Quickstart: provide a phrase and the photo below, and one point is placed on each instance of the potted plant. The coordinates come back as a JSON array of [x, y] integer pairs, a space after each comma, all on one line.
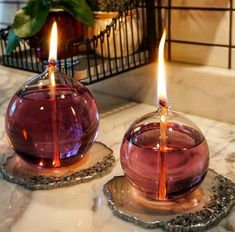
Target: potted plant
[[123, 39], [34, 21]]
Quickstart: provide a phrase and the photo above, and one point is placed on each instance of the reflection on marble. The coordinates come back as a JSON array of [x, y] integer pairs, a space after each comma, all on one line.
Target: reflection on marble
[[84, 207]]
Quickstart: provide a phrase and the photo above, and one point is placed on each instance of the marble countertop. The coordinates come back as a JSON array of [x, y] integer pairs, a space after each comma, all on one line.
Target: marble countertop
[[83, 207]]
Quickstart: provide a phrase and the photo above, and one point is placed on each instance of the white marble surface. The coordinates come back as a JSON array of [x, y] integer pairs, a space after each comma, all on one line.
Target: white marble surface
[[83, 207]]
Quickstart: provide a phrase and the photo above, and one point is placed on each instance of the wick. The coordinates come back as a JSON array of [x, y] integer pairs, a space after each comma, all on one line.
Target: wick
[[52, 63], [163, 157], [56, 160], [163, 103]]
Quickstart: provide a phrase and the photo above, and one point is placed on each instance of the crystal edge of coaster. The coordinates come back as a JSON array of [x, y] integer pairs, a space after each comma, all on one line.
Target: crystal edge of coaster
[[41, 182], [222, 202]]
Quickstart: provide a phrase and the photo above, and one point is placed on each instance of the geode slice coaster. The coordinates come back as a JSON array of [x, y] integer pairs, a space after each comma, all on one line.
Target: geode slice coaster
[[196, 212], [98, 162]]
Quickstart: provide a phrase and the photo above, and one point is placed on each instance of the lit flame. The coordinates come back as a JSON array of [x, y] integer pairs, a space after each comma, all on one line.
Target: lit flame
[[161, 84], [53, 44]]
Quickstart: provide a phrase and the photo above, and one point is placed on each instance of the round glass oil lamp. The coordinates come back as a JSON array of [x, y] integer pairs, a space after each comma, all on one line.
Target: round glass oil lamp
[[164, 170], [164, 155], [52, 120]]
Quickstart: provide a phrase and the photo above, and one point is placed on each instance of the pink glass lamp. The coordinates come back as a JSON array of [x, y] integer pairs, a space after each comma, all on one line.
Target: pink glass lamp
[[52, 120], [164, 155]]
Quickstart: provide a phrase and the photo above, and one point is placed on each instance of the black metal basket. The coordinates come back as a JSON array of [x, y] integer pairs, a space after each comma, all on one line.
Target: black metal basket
[[128, 42]]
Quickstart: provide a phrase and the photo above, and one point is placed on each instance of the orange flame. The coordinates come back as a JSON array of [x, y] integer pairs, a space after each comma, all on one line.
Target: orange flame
[[161, 84], [53, 44]]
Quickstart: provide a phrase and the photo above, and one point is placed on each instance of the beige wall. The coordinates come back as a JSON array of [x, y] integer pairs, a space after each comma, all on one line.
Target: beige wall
[[200, 90], [202, 26], [7, 11]]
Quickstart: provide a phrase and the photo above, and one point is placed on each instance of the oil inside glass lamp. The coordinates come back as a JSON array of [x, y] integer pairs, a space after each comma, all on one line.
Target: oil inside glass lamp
[[164, 154], [186, 154], [52, 120]]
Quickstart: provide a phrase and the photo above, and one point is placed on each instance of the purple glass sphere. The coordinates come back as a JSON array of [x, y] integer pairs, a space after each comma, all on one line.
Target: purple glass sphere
[[35, 122]]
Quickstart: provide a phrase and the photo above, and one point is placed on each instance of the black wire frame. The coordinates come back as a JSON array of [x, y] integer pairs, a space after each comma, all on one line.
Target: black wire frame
[[229, 9], [132, 31]]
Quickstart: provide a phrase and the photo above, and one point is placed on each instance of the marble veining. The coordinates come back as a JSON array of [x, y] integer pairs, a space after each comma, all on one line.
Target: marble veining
[[84, 207], [14, 201]]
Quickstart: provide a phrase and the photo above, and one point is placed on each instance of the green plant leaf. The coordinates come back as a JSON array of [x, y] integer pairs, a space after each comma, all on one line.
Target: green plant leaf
[[35, 7], [13, 42], [29, 20], [79, 9]]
